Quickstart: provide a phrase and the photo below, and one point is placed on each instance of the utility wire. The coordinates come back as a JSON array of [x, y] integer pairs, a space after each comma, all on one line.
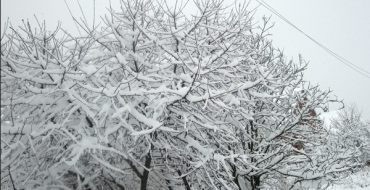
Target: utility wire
[[322, 46], [341, 59]]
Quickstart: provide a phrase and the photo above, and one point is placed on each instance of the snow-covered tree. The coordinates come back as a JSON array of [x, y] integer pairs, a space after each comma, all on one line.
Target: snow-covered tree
[[155, 99], [350, 131], [353, 130]]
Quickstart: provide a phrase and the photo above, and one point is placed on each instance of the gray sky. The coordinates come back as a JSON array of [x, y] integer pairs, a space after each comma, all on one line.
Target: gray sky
[[341, 25]]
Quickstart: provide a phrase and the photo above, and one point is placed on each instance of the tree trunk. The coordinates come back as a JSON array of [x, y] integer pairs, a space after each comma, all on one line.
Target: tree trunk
[[256, 182], [144, 179], [187, 186]]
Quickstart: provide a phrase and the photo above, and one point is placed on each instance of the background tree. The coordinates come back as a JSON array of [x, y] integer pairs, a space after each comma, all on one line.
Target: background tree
[[154, 99], [350, 131], [353, 130]]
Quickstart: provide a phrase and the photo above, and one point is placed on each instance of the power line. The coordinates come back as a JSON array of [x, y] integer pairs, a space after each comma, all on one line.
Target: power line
[[322, 46], [341, 59]]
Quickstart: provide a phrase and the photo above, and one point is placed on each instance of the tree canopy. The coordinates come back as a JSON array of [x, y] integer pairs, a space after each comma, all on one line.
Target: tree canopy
[[154, 99]]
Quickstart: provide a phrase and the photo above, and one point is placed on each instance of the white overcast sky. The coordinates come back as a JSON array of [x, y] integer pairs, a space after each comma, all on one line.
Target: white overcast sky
[[341, 25]]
